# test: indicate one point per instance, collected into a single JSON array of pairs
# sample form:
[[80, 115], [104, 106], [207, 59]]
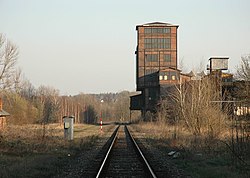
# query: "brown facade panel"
[[174, 30]]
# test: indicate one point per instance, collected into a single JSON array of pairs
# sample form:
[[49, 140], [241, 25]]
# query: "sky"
[[87, 46]]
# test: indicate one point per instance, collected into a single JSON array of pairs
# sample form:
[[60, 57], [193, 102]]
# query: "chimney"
[[1, 104]]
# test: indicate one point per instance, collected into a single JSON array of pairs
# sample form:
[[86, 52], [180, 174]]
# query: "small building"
[[196, 75], [3, 115]]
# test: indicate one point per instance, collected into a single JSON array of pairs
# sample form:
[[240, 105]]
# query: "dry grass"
[[24, 152], [201, 156]]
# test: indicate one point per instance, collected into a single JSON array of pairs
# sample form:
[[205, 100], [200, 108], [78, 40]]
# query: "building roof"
[[157, 24], [191, 73], [227, 75], [196, 75], [3, 113], [167, 68], [218, 57]]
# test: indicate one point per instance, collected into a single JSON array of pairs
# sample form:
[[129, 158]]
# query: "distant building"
[[3, 115], [196, 75], [156, 64]]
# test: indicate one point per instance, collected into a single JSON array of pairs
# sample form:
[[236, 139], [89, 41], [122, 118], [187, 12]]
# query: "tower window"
[[157, 30], [157, 43], [151, 57], [167, 58]]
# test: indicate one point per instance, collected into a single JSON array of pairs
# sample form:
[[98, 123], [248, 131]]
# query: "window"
[[147, 30], [151, 57], [167, 58], [166, 43], [166, 30], [157, 43], [165, 77], [160, 77], [148, 43], [170, 75], [157, 30], [174, 75]]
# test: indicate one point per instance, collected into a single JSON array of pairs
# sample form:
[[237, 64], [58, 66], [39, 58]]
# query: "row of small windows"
[[154, 58], [168, 76], [163, 75], [157, 30], [157, 43], [157, 40]]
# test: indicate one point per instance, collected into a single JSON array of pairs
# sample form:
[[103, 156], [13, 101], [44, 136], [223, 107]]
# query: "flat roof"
[[157, 24], [219, 57]]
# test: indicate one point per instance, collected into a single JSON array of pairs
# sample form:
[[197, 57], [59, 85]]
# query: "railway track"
[[124, 158], [116, 155]]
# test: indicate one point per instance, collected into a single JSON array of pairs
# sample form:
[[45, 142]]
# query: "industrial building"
[[156, 64]]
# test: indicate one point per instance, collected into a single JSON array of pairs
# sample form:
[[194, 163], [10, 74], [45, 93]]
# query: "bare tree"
[[8, 59], [194, 107], [243, 71], [49, 106], [122, 106], [243, 74], [27, 90]]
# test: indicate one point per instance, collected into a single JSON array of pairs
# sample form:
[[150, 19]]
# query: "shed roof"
[[3, 113], [171, 68]]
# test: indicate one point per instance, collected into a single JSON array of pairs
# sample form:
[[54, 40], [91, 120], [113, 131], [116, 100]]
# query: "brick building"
[[3, 115], [156, 64]]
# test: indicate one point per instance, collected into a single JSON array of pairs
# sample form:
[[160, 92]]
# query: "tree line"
[[28, 105]]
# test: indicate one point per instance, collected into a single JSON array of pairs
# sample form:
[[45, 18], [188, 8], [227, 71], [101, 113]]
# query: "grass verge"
[[23, 152], [199, 157]]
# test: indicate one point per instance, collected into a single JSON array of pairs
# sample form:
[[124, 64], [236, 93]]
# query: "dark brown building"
[[156, 50], [3, 115], [156, 64]]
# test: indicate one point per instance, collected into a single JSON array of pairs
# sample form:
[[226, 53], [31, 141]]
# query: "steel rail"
[[141, 154], [108, 153]]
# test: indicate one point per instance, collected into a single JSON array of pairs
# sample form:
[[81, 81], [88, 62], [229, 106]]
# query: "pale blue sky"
[[88, 45]]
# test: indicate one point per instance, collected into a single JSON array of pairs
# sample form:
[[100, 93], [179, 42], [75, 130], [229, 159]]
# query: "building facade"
[[156, 64]]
